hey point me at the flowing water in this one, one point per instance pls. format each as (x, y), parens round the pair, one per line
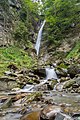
(37, 46)
(51, 74)
(73, 100)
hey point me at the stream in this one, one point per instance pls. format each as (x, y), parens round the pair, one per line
(24, 104)
(14, 112)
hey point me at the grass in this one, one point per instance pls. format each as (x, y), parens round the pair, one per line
(75, 52)
(16, 56)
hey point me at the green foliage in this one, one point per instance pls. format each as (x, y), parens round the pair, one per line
(27, 21)
(4, 5)
(60, 15)
(75, 52)
(21, 32)
(16, 56)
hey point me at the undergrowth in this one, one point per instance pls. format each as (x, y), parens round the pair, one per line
(75, 52)
(14, 55)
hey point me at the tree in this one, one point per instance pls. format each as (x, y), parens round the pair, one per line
(27, 20)
(60, 16)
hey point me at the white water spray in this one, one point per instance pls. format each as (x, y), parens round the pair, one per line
(50, 73)
(37, 46)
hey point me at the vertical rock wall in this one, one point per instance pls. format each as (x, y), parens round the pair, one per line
(6, 21)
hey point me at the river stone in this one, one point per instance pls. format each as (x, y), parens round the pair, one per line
(51, 84)
(61, 72)
(49, 112)
(7, 103)
(63, 79)
(41, 72)
(73, 70)
(35, 115)
(7, 83)
(62, 116)
(77, 80)
(78, 90)
(69, 83)
(8, 73)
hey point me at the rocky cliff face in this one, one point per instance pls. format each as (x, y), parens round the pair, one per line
(7, 9)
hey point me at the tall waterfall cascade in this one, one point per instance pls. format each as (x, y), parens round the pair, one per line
(50, 72)
(37, 46)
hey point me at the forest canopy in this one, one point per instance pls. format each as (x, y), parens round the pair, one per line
(61, 15)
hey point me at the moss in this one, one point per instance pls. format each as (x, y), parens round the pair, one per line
(62, 65)
(16, 56)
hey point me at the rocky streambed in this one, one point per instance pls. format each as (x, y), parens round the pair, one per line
(27, 95)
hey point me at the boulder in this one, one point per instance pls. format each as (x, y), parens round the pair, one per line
(35, 115)
(51, 84)
(63, 79)
(69, 83)
(41, 72)
(61, 72)
(54, 113)
(7, 83)
(62, 116)
(73, 70)
(49, 112)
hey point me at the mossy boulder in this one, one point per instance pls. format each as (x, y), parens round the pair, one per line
(51, 84)
(61, 72)
(73, 70)
(69, 83)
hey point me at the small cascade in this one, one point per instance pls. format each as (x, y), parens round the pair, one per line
(37, 46)
(50, 73)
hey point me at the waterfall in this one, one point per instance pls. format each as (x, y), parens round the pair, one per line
(50, 73)
(37, 46)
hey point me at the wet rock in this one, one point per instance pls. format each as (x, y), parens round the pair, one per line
(7, 83)
(31, 51)
(40, 72)
(78, 90)
(51, 84)
(73, 70)
(10, 116)
(49, 112)
(69, 83)
(22, 79)
(29, 78)
(24, 71)
(59, 117)
(7, 103)
(63, 79)
(76, 116)
(6, 79)
(59, 86)
(62, 116)
(72, 91)
(32, 116)
(77, 80)
(12, 67)
(34, 78)
(54, 113)
(8, 73)
(28, 87)
(61, 72)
